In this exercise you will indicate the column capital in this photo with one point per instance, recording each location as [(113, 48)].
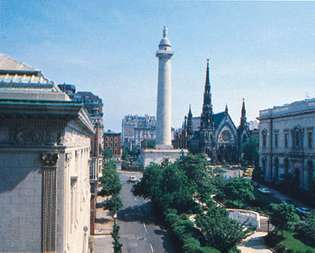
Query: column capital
[(49, 159)]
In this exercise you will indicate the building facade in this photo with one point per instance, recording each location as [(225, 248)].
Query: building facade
[(112, 143), (214, 134), (94, 106), (44, 164), (136, 129), (286, 145)]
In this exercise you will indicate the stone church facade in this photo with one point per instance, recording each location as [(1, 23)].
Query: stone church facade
[(213, 134), (44, 165)]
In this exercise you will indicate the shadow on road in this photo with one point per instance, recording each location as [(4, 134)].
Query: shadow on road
[(141, 213)]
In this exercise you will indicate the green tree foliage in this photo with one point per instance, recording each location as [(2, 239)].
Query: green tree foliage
[(115, 235), (306, 229), (284, 216), (167, 186), (107, 153), (250, 152), (219, 230), (238, 192), (148, 144), (195, 168), (113, 204), (110, 180), (258, 175), (185, 234)]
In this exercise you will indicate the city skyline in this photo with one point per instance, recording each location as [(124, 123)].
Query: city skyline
[(268, 61)]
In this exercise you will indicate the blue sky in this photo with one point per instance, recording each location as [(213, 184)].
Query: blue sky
[(263, 51)]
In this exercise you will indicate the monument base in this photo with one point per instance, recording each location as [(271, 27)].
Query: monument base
[(159, 155)]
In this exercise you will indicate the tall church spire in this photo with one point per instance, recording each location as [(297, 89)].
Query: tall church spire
[(243, 114), (189, 122), (206, 115)]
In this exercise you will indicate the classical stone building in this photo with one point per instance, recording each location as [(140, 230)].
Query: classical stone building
[(214, 134), (286, 146), (44, 165), (94, 106)]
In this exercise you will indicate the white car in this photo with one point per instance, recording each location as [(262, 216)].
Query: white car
[(133, 179), (264, 190)]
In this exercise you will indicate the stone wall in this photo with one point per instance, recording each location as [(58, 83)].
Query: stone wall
[(20, 201)]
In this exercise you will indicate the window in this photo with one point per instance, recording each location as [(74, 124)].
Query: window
[(286, 139), (276, 166), (73, 201), (310, 138), (264, 138), (297, 137), (286, 167), (276, 139)]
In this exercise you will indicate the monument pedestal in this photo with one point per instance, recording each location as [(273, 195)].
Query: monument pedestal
[(159, 155)]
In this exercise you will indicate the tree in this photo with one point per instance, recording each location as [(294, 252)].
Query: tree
[(110, 181), (219, 230), (284, 216), (239, 191), (115, 235), (108, 153), (148, 144), (306, 229), (167, 186), (250, 151), (195, 168), (113, 204)]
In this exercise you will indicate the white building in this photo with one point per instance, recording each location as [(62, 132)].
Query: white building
[(44, 165), (286, 145), (136, 129)]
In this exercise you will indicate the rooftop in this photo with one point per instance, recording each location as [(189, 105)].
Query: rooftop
[(297, 107)]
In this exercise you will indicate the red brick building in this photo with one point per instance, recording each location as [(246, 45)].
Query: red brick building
[(112, 142)]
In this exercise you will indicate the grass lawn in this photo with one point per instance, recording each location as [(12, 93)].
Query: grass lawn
[(290, 242)]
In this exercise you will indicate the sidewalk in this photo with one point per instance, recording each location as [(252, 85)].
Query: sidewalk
[(254, 244), (103, 228)]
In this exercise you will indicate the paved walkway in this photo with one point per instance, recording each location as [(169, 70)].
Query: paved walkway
[(103, 228), (254, 244)]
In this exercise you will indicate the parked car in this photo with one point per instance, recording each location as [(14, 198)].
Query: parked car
[(264, 190), (133, 179), (303, 210)]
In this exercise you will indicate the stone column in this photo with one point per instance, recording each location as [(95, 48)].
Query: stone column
[(164, 97), (49, 162)]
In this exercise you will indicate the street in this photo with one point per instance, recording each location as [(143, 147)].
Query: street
[(138, 233)]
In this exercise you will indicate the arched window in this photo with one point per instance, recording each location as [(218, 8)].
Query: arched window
[(225, 136)]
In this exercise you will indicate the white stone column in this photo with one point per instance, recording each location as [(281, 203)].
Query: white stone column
[(164, 97)]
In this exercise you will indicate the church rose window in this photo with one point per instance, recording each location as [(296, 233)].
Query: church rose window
[(225, 136)]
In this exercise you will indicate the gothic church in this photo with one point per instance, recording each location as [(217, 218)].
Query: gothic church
[(213, 134)]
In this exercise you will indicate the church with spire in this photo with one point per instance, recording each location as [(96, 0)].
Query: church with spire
[(213, 134)]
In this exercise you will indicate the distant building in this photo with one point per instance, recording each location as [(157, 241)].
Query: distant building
[(136, 129), (286, 146), (44, 164), (69, 89), (112, 143)]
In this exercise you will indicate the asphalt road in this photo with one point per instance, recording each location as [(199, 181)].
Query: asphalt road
[(138, 231)]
